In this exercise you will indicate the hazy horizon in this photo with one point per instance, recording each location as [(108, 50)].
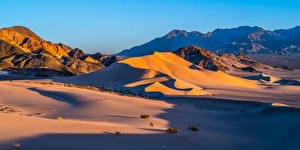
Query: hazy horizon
[(110, 27)]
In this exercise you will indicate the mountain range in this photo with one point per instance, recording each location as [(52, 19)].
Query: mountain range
[(243, 39), (24, 52)]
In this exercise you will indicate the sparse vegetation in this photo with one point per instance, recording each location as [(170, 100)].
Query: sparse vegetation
[(193, 128), (151, 124), (144, 116), (172, 130), (7, 109), (17, 145), (117, 133), (59, 118), (146, 96), (90, 87)]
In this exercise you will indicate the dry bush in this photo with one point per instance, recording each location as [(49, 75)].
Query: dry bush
[(60, 118), (151, 124), (144, 116), (172, 130), (193, 128)]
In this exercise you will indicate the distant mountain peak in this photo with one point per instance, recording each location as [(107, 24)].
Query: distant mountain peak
[(177, 33), (24, 30), (77, 53), (192, 50)]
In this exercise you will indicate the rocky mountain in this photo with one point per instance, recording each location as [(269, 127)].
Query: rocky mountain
[(25, 52), (244, 39), (224, 62)]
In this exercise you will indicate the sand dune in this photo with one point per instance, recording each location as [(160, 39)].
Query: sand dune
[(164, 73), (176, 67)]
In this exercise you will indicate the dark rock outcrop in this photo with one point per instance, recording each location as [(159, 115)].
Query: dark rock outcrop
[(224, 62)]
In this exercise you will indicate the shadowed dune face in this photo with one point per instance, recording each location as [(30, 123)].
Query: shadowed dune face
[(60, 96)]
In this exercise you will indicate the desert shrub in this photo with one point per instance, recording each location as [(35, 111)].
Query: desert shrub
[(117, 133), (193, 128), (59, 118), (144, 116), (17, 145), (151, 124), (69, 85), (81, 86), (172, 130)]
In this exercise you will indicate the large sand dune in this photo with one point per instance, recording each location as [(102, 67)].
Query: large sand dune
[(164, 73)]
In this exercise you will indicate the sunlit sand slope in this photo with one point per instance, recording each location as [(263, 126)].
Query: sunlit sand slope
[(178, 68)]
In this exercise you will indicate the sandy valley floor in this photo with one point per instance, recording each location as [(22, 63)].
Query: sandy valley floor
[(230, 119)]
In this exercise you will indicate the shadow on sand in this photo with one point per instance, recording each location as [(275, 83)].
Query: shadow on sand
[(223, 124), (59, 96)]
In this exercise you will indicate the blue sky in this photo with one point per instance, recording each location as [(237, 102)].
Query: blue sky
[(113, 25)]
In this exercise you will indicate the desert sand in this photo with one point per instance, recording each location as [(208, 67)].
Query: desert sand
[(230, 112)]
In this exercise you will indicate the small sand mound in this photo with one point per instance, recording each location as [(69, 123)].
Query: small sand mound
[(147, 81), (197, 91), (280, 104), (158, 87), (183, 85), (267, 78)]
